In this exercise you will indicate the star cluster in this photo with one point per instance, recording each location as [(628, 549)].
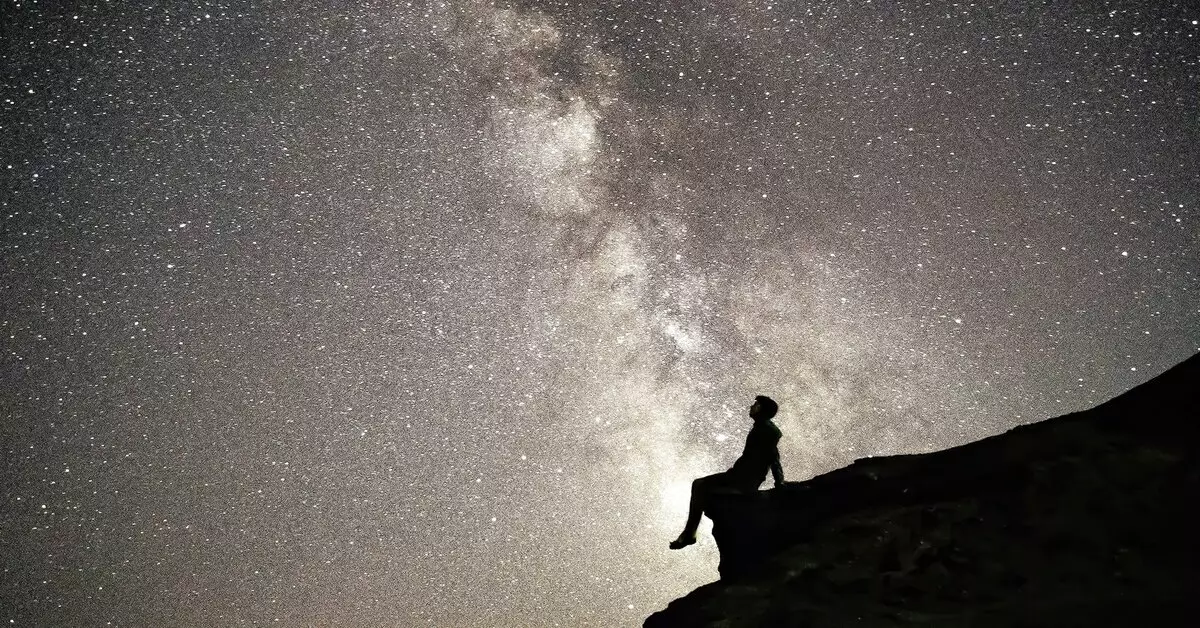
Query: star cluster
[(408, 313)]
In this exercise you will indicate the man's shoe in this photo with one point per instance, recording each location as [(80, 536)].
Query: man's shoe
[(683, 541)]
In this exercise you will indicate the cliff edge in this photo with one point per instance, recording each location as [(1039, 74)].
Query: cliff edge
[(1082, 520)]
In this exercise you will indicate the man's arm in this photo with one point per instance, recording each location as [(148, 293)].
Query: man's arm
[(777, 469)]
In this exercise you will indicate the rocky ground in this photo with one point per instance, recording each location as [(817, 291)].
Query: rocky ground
[(1082, 520)]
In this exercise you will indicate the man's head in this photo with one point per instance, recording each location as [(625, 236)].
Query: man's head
[(764, 408)]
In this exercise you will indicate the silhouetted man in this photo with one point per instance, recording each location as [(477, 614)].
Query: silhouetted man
[(761, 453)]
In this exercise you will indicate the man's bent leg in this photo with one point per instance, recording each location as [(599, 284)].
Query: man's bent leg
[(702, 489)]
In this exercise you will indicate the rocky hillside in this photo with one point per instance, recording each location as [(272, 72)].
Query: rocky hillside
[(1083, 520)]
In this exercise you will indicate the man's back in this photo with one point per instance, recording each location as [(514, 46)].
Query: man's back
[(761, 452)]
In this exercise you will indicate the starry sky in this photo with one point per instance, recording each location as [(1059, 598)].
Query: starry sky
[(408, 313)]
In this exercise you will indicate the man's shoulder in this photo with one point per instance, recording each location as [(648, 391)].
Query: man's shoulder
[(769, 427)]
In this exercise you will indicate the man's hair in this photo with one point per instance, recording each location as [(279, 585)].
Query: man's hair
[(768, 405)]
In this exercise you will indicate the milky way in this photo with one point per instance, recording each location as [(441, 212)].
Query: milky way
[(409, 314)]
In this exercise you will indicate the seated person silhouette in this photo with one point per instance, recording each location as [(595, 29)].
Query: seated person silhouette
[(761, 453)]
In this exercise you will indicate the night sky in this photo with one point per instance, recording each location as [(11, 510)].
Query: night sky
[(427, 314)]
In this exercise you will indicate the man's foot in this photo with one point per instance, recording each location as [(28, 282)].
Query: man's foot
[(683, 541)]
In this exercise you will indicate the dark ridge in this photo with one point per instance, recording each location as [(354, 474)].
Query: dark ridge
[(1085, 519)]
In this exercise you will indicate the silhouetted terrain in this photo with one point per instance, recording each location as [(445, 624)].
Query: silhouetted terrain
[(1082, 520)]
